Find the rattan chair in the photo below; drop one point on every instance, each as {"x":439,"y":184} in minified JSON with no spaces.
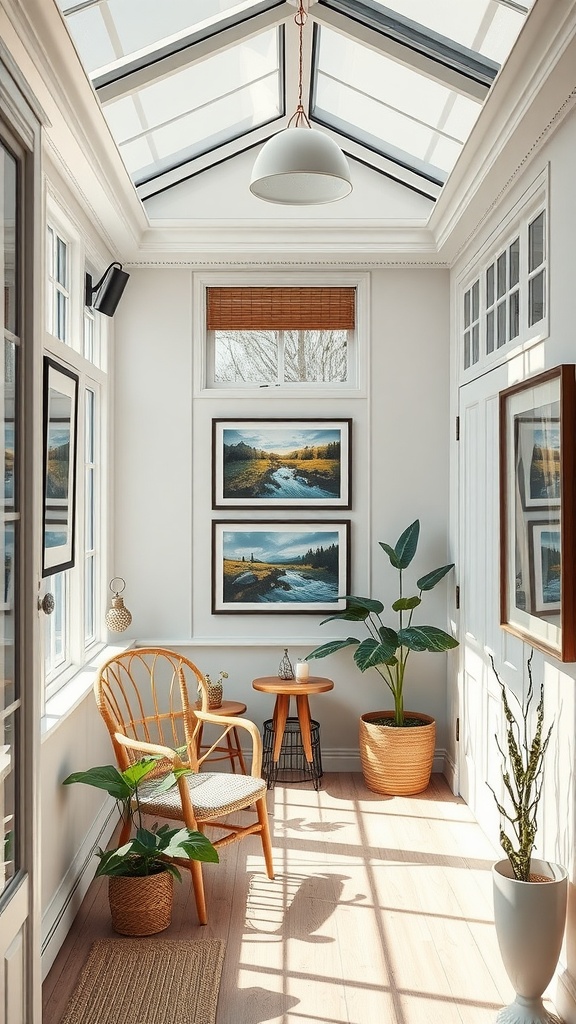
{"x":146,"y":697}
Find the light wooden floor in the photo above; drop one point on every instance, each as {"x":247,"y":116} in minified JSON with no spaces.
{"x":381,"y":911}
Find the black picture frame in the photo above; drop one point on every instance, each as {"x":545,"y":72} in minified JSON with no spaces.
{"x":281,"y":567}
{"x":60,"y":454}
{"x":282,"y":463}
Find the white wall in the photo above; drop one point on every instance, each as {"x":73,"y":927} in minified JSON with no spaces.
{"x":163,"y":490}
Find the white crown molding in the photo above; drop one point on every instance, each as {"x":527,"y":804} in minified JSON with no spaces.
{"x":77,"y":134}
{"x":297,"y":241}
{"x":531,"y":95}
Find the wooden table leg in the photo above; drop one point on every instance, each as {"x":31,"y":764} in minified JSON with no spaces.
{"x":305,"y":724}
{"x":280,"y":715}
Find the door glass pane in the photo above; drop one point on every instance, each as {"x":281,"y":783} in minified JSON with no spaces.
{"x":514,"y":314}
{"x":467,"y":309}
{"x":501,"y":324}
{"x":475,"y":300}
{"x":501,"y":275}
{"x":10,"y":717}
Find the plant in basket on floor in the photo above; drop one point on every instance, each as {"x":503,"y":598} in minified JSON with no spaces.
{"x":141,"y":872}
{"x":529,"y":895}
{"x":394,"y":760}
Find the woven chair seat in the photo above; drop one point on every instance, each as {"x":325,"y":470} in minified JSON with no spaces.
{"x":213,"y":794}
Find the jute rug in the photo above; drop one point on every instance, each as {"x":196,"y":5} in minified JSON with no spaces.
{"x":135,"y":981}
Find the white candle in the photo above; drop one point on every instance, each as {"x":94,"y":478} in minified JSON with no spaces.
{"x":302,"y":670}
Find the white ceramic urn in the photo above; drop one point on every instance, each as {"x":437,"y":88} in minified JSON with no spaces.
{"x":530,"y":919}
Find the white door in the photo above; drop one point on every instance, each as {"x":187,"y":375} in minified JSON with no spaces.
{"x":20,"y":405}
{"x":479,"y":560}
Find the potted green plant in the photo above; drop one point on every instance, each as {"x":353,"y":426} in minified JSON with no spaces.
{"x":530,"y":895}
{"x":396,"y":756}
{"x":141,"y":871}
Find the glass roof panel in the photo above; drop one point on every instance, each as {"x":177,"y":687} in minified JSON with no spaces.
{"x":486,"y":26}
{"x":107,"y":30}
{"x":404,"y":114}
{"x":199,"y":107}
{"x":201,"y":130}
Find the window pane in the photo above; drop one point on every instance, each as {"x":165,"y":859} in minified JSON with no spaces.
{"x":89,"y":601}
{"x":467,"y":309}
{"x":490,"y":285}
{"x":8,"y":760}
{"x":490,"y":331}
{"x":475,"y":300}
{"x":475,"y":343}
{"x":56,"y":625}
{"x":514,"y":314}
{"x":501,"y":275}
{"x":316,"y":356}
{"x":514,"y":254}
{"x":501,"y":321}
{"x":9,"y":243}
{"x":246,"y":356}
{"x":61,"y":262}
{"x":467,"y":350}
{"x":536,"y":243}
{"x":10,"y":465}
{"x":537,"y":299}
{"x":61,"y":316}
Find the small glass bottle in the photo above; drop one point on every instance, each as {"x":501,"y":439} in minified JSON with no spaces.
{"x":285,"y":670}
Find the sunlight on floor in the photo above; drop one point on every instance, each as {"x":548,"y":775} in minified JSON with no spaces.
{"x":381,"y":910}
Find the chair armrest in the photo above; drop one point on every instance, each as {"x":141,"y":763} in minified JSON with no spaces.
{"x":150,"y":748}
{"x":229,"y":722}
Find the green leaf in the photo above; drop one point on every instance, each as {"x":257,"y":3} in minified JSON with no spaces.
{"x":331,"y":648}
{"x":349,"y":615}
{"x":405,"y":604}
{"x":105,"y":777}
{"x":186,"y":843}
{"x":389,"y":638}
{"x":432,"y":578}
{"x":406,"y":544}
{"x":370,"y":654}
{"x":426,"y":638}
{"x":139,"y":770}
{"x":391,"y":554}
{"x":370,"y":603}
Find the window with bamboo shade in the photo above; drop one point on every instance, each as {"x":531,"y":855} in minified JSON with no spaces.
{"x":280,"y":335}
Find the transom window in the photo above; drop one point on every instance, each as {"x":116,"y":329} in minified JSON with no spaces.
{"x":507,"y":301}
{"x":280,"y":336}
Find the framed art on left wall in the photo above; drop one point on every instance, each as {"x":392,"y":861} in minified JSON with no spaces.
{"x":60,"y":425}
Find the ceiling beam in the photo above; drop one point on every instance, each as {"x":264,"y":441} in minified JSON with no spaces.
{"x":148,"y":67}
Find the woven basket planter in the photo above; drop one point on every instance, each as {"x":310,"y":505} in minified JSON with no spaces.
{"x":141,"y":906}
{"x":397,"y":762}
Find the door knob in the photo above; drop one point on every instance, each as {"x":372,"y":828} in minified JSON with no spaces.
{"x":46,"y":604}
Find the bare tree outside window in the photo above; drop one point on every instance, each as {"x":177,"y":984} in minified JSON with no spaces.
{"x":271,"y":357}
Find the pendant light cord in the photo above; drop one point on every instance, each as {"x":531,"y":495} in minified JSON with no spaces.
{"x":299,"y":116}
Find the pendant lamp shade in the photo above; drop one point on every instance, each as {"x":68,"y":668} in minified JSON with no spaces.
{"x":300,"y":167}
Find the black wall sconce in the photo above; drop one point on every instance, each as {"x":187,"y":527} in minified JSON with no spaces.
{"x":109,"y":289}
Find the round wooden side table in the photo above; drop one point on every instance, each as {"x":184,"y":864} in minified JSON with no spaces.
{"x":233,"y":750}
{"x":284,"y":689}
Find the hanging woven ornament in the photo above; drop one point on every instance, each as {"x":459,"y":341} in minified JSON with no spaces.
{"x":285,"y":670}
{"x":118,"y":618}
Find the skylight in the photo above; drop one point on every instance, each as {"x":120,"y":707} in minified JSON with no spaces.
{"x":185,"y":84}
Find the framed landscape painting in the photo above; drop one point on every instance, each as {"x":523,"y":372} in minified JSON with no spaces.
{"x":60,"y":418}
{"x":281,"y":463}
{"x":264,"y":567}
{"x":538,"y":509}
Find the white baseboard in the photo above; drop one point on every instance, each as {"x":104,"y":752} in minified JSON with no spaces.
{"x":62,"y":909}
{"x":349,"y":761}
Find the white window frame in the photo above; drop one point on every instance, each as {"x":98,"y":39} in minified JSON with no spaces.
{"x":358,"y":349}
{"x":515,"y":225}
{"x":92,"y":378}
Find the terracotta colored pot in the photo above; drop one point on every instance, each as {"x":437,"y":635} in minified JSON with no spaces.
{"x":397,"y":762}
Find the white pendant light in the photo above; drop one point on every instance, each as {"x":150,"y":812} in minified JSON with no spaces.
{"x":300,"y":166}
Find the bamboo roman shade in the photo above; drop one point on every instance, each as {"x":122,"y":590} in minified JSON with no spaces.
{"x":272,"y":309}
